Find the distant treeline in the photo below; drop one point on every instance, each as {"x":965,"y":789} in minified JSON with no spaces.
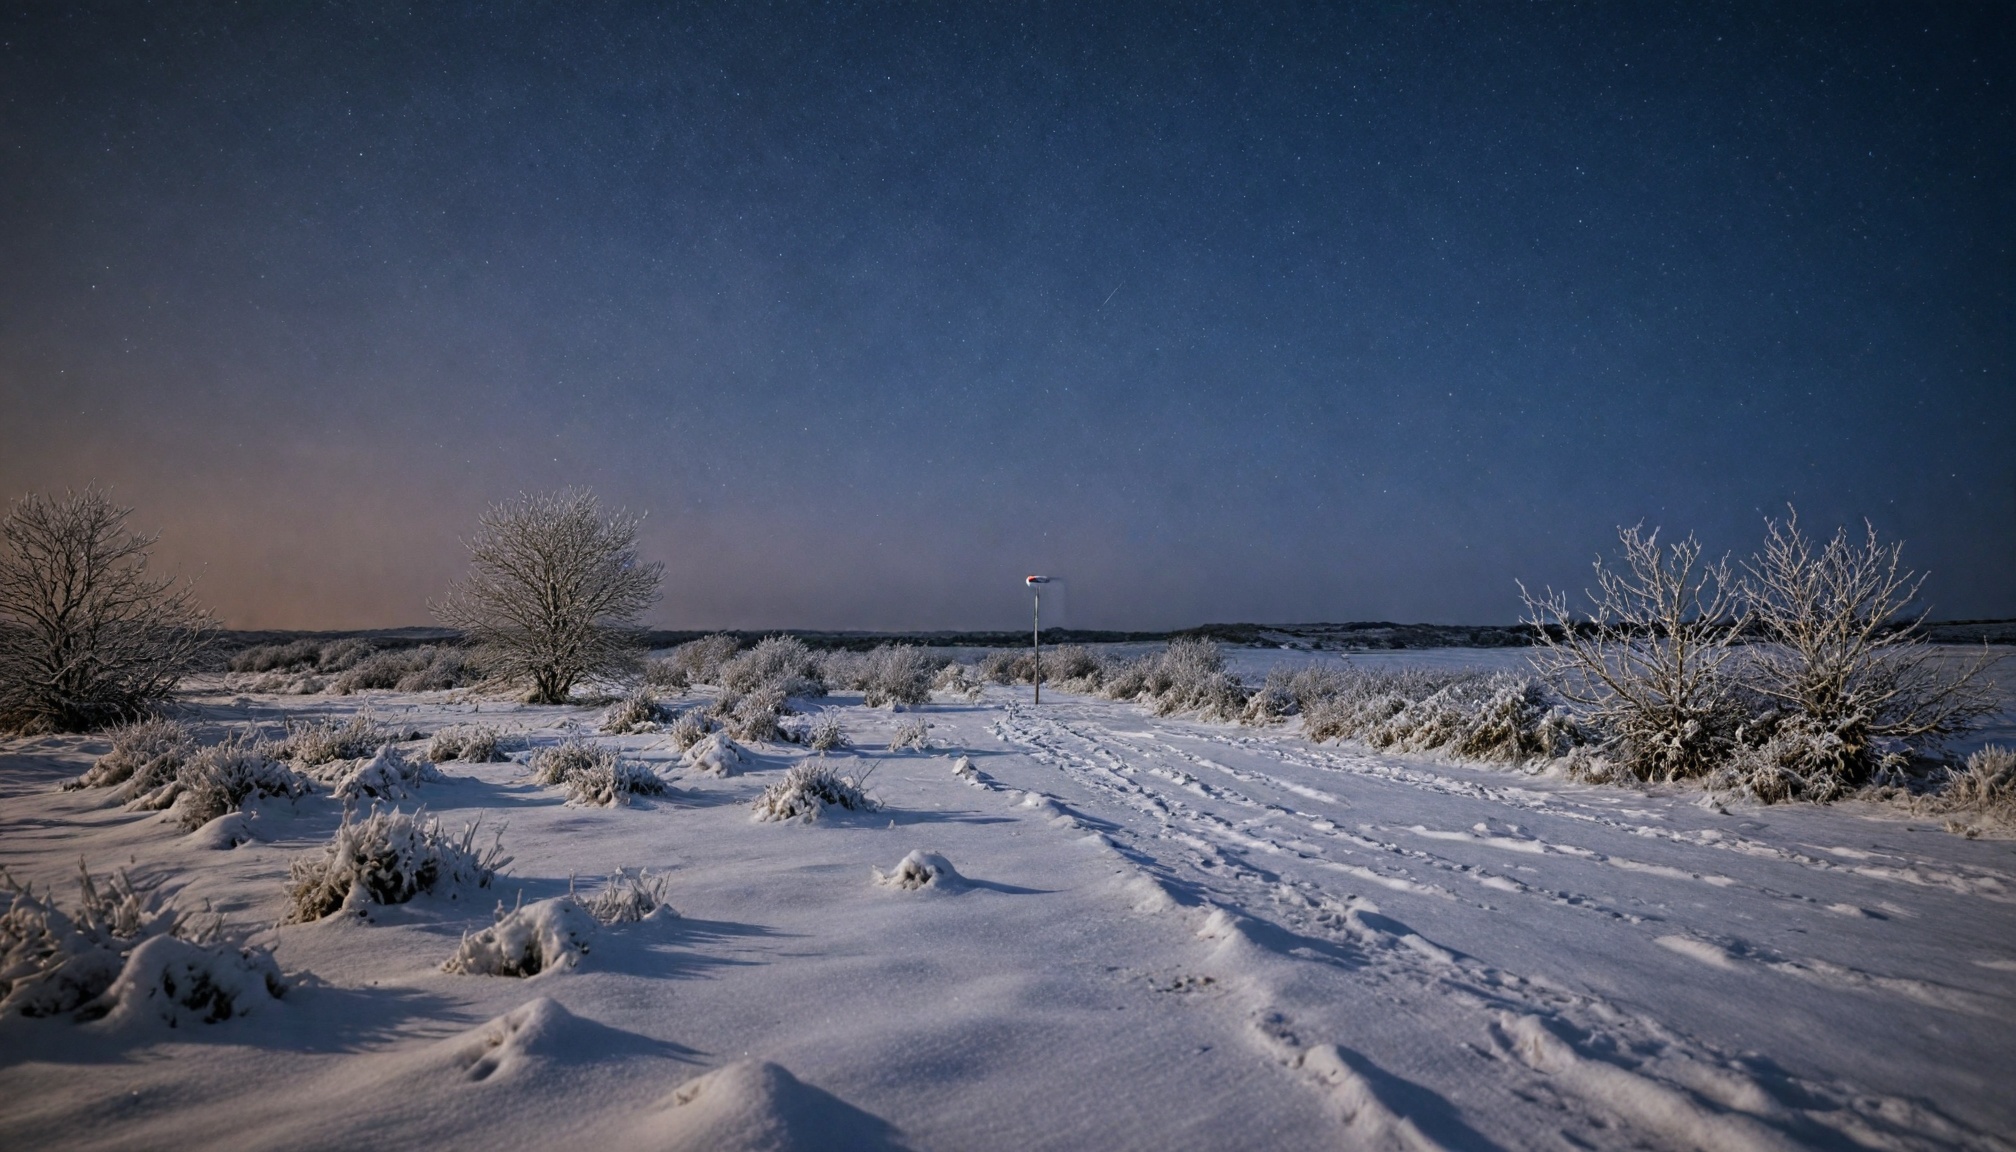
{"x":1366,"y":635}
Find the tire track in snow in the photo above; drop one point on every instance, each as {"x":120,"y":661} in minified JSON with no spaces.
{"x":1598,"y":1065}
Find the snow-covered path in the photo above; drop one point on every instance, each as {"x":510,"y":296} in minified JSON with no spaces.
{"x":1173,"y":935}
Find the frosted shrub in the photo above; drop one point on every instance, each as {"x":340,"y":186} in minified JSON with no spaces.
{"x":1987,"y":782}
{"x":341,"y":655}
{"x":389,"y":775}
{"x":958,"y":679}
{"x":425,"y":669}
{"x":628,"y":897}
{"x":912,"y":733}
{"x":666,"y":676}
{"x":525,"y":941}
{"x":388,"y":858}
{"x":295,"y":656}
{"x":219,"y":779}
{"x":1073,"y":668}
{"x":752,"y":716}
{"x":328,"y":740}
{"x":1651,"y":666}
{"x":121,"y":951}
{"x":782,"y":662}
{"x":807,"y":790}
{"x":825,"y":734}
{"x":145,"y":755}
{"x":1007,"y":666}
{"x":1498,"y":717}
{"x":471,"y":743}
{"x":840,"y":668}
{"x":897,"y":674}
{"x":640,"y":711}
{"x":1188,"y":677}
{"x":686,"y":731}
{"x":1843,"y":657}
{"x":699,"y":661}
{"x":593,"y":775}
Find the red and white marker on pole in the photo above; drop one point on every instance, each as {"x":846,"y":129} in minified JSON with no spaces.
{"x":1035,"y":584}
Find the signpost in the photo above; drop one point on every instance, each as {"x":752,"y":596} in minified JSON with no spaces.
{"x":1036,"y":630}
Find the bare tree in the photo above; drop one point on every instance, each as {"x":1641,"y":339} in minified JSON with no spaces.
{"x":1650,"y":664}
{"x":1843,"y":656}
{"x":88,"y":637}
{"x":556,"y":593}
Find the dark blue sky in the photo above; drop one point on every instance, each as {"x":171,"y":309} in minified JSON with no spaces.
{"x":1220,"y":312}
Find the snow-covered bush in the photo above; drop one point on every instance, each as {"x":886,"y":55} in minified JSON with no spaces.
{"x":959,"y":680}
{"x":1986,"y":782}
{"x":825,"y":733}
{"x":666,"y":676}
{"x":782,"y":662}
{"x":964,"y":769}
{"x":329,"y":739}
{"x":389,"y":775}
{"x":714,"y":754}
{"x":388,"y":858}
{"x":629,"y":896}
{"x":1008,"y":666}
{"x":919,"y":869}
{"x":293,"y":656}
{"x":699,"y":661}
{"x":687,"y":730}
{"x":219,"y":779}
{"x":1188,"y":677}
{"x":424,"y":669}
{"x":1498,"y":717}
{"x":810,"y":788}
{"x":914,"y":732}
{"x":1844,"y":660}
{"x":122,"y":952}
{"x":594,"y":775}
{"x":525,"y":941}
{"x":897,"y":674}
{"x":752,"y":716}
{"x":1651,"y":668}
{"x":639,"y":711}
{"x":470,"y":743}
{"x":145,"y":755}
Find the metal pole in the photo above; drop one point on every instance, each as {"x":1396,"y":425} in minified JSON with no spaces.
{"x":1036,"y":644}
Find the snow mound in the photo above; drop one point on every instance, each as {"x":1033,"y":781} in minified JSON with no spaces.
{"x":174,"y":981}
{"x":550,"y":934}
{"x":963,"y":768}
{"x":532,"y":1033}
{"x":226,"y":831}
{"x":121,"y":953}
{"x":757,"y":1106}
{"x":715,"y":754}
{"x":920,"y":869}
{"x":389,"y":775}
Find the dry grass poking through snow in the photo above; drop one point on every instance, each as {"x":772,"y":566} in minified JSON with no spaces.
{"x":594,"y":775}
{"x":145,"y":755}
{"x":470,"y":743}
{"x":640,"y":711}
{"x":388,"y":858}
{"x":810,"y":788}
{"x":219,"y":780}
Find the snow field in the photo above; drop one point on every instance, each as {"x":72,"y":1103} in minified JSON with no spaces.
{"x":1167,"y":934}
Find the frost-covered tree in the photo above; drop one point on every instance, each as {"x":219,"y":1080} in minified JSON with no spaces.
{"x":1844,"y":659}
{"x":556,"y":592}
{"x":88,"y":636}
{"x":1651,"y":662}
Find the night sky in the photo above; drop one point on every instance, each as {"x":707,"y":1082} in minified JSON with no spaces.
{"x":1221,"y":313}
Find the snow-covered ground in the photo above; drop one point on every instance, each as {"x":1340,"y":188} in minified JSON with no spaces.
{"x":1154,"y":933}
